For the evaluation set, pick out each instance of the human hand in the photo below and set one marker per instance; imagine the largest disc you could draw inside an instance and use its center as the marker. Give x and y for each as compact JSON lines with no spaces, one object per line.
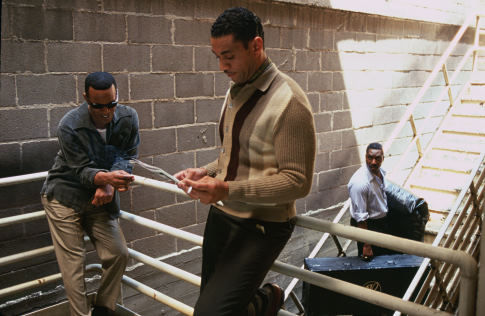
{"x":207,"y":190}
{"x":103,"y":195}
{"x":119,"y":179}
{"x":191,"y":173}
{"x":367,"y":251}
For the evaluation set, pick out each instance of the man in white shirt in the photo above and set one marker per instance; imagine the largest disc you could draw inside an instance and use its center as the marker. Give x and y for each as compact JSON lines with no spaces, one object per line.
{"x":368,"y":208}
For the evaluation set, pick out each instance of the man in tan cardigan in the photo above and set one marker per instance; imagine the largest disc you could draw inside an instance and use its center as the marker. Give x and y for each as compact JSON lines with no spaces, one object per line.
{"x":265,"y":164}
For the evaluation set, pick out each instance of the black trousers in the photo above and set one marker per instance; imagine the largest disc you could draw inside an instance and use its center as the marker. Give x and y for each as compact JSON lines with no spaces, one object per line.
{"x":236,"y":256}
{"x":380,"y":225}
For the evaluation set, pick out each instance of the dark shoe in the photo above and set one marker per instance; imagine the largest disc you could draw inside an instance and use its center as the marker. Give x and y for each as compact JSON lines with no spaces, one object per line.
{"x":101,"y":311}
{"x":275,"y":297}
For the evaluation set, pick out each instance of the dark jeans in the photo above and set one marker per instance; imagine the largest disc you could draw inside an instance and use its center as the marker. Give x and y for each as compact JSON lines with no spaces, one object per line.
{"x":380,"y":225}
{"x":236,"y":255}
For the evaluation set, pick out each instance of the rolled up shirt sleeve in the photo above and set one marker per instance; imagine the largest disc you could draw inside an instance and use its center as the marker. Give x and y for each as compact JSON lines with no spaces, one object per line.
{"x":358,"y":196}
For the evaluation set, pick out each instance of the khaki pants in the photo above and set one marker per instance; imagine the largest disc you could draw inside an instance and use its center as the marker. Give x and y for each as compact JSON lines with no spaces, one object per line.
{"x":67,"y":230}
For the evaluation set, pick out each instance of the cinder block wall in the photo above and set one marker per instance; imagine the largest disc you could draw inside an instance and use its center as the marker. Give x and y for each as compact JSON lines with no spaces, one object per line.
{"x":359,"y":71}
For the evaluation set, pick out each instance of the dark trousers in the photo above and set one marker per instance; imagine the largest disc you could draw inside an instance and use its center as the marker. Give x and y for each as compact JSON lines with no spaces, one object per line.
{"x":236,"y":255}
{"x":380,"y":225}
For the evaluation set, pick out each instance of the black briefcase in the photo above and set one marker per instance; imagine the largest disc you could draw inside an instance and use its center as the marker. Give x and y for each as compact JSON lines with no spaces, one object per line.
{"x":390,"y":274}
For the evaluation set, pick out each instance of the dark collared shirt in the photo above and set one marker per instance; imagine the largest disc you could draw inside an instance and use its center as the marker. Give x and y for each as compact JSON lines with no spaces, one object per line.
{"x":83,"y":153}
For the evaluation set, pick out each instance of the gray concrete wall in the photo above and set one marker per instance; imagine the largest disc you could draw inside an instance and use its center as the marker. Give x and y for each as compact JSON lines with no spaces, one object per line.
{"x":360,"y":71}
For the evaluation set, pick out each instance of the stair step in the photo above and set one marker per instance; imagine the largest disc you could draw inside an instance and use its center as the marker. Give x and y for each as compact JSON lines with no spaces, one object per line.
{"x":478,"y":77}
{"x":450,"y":160}
{"x":460,"y":143}
{"x":439,"y":180}
{"x":469,"y":110}
{"x":437,"y":200}
{"x":465,"y":125}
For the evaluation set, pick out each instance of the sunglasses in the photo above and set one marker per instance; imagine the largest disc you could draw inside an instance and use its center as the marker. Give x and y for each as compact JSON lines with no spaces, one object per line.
{"x":110,"y":105}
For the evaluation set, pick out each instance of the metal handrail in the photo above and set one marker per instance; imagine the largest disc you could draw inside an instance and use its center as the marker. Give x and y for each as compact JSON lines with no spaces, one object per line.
{"x":464,"y":261}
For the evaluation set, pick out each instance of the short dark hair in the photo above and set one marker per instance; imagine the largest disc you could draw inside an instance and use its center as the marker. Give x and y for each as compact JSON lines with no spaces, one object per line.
{"x":99,"y":80}
{"x":243,"y":24}
{"x":374,"y":146}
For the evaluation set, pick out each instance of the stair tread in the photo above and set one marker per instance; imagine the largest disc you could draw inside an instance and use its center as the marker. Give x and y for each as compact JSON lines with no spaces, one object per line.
{"x":439,"y":180}
{"x":459,"y":142}
{"x":438,"y":201}
{"x":469,"y":109}
{"x":450,"y":160}
{"x":470,"y":125}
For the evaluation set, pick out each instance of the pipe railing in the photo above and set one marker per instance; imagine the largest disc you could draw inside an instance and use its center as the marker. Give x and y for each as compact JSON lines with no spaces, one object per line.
{"x":466,"y":263}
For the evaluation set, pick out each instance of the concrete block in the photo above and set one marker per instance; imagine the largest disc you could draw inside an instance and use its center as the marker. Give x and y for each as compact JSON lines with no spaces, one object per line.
{"x":283,"y":59}
{"x":38,"y":89}
{"x":348,"y":139}
{"x":91,"y":5}
{"x":411,"y":29}
{"x":205,"y":156}
{"x":307,"y":61}
{"x":155,"y":142}
{"x":333,"y":20}
{"x":329,"y":141}
{"x":195,"y":137}
{"x":99,"y":27}
{"x":208,"y":110}
{"x":356,"y":22}
{"x":321,"y":40}
{"x":343,"y":158}
{"x":23,"y":124}
{"x":22,"y":57}
{"x":322,"y":162}
{"x":331,"y":101}
{"x":272,"y":37}
{"x":329,"y":179}
{"x":73,"y":57}
{"x":342,"y":120}
{"x":134,"y":231}
{"x":151,"y":86}
{"x":427,"y":30}
{"x":331,"y":61}
{"x":10,"y":160}
{"x":38,"y":156}
{"x":144,"y":110}
{"x":147,"y":29}
{"x":294,"y":38}
{"x":174,"y":7}
{"x":222,"y":84}
{"x":55,"y":116}
{"x":132,"y":58}
{"x":320,"y":81}
{"x":175,"y":162}
{"x":155,"y":246}
{"x":194,"y":85}
{"x":179,"y":216}
{"x":301,"y":78}
{"x":323,"y":122}
{"x":281,"y":15}
{"x":314,"y":99}
{"x":390,"y":26}
{"x":8,"y":92}
{"x":145,"y":198}
{"x":205,"y":60}
{"x":209,"y":9}
{"x":21,"y":195}
{"x":190,"y":32}
{"x":141,"y":6}
{"x":5,"y":23}
{"x":338,"y":81}
{"x":365,"y":43}
{"x":388,"y":114}
{"x":173,"y":113}
{"x":38,"y":23}
{"x":345,"y":42}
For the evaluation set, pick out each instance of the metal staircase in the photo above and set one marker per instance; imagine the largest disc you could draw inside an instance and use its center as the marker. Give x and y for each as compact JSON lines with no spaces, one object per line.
{"x":454,"y":152}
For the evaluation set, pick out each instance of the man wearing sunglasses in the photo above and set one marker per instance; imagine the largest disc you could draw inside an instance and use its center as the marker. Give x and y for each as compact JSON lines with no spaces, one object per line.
{"x":80,"y":194}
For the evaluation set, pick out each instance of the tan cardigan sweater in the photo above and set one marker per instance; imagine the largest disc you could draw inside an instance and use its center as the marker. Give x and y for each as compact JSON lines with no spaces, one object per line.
{"x":268,"y":148}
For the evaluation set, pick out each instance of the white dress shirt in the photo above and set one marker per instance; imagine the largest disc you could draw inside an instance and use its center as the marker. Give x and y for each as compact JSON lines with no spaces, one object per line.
{"x":367,"y":195}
